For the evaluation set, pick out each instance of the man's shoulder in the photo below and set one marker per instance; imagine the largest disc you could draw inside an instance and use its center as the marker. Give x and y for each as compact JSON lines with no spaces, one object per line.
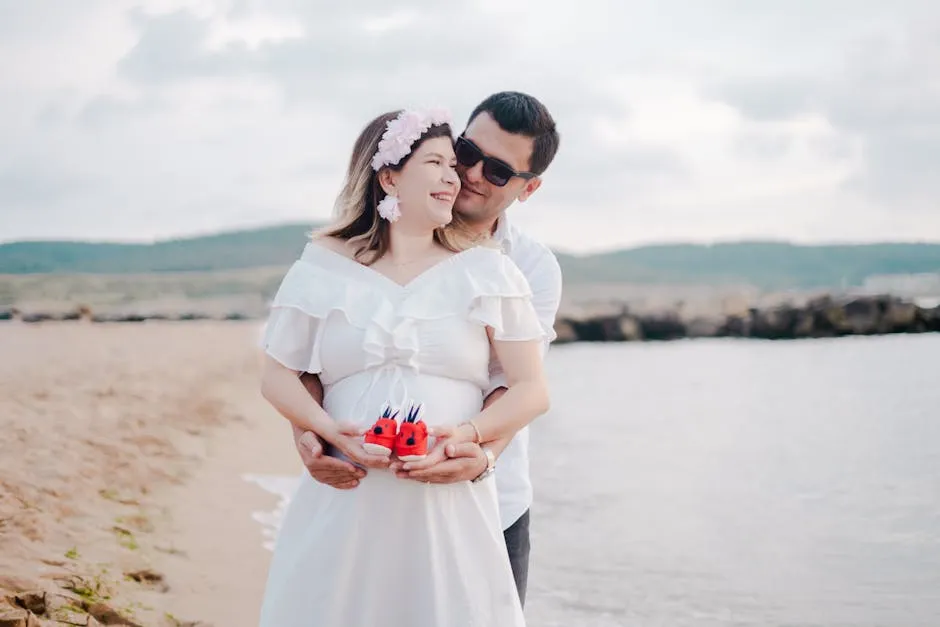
{"x":534,"y":257}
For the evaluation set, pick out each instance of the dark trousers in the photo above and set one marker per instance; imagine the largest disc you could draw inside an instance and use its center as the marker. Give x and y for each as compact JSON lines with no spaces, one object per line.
{"x":517,"y":543}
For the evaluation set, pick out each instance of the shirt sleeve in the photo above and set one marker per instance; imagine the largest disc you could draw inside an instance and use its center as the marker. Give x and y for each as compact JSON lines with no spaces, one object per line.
{"x":291,"y":337}
{"x":545,"y":281}
{"x":503,"y":302}
{"x":297,"y":316}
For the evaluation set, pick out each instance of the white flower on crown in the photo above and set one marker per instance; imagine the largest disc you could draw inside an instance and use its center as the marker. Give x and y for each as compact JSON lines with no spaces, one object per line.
{"x":402,"y":132}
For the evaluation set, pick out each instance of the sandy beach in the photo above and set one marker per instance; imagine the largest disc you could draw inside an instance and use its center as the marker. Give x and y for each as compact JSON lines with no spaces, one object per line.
{"x":121,"y":475}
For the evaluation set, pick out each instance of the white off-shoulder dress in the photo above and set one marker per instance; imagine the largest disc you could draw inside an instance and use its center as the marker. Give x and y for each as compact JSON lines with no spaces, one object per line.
{"x":395,"y":552}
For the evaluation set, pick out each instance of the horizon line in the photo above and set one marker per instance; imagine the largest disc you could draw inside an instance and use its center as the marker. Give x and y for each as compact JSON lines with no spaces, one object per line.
{"x":711,"y":242}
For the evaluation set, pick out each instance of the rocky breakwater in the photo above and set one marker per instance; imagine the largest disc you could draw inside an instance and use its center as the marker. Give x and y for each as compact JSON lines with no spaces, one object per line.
{"x":820,"y":317}
{"x":86,"y":314}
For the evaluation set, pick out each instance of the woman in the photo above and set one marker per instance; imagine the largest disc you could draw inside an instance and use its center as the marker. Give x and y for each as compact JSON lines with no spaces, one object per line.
{"x":395,"y":307}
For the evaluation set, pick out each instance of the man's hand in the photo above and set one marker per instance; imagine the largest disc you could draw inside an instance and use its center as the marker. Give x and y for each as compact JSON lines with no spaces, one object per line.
{"x":325,"y":469}
{"x":462,"y":462}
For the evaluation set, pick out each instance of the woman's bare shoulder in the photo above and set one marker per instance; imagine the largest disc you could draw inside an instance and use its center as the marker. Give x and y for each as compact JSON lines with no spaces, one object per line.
{"x":333,"y":243}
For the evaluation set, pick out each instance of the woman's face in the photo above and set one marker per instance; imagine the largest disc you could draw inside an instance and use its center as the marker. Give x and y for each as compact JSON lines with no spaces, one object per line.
{"x":428,"y":184}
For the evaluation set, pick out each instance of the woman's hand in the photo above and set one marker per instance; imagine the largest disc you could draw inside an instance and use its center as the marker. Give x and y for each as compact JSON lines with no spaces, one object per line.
{"x":443,"y":437}
{"x":348,"y":440}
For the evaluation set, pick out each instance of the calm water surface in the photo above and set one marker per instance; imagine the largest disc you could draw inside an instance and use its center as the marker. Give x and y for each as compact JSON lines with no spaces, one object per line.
{"x":740,"y":483}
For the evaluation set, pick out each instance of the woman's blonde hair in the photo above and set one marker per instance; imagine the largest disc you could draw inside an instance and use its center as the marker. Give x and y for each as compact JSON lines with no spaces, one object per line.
{"x":356,"y":217}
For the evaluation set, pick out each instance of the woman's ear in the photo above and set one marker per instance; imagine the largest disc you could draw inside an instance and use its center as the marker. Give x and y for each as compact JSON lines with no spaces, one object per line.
{"x":388,"y":179}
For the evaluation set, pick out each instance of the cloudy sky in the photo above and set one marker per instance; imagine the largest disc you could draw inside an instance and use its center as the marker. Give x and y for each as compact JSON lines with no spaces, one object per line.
{"x":697,"y":120}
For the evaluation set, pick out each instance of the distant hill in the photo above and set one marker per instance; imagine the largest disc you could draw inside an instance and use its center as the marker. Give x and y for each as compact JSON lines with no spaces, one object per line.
{"x":233,"y":250}
{"x":768,"y":265}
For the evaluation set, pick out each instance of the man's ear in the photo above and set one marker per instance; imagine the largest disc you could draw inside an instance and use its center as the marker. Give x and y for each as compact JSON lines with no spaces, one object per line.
{"x":529,"y":189}
{"x":388,"y":180}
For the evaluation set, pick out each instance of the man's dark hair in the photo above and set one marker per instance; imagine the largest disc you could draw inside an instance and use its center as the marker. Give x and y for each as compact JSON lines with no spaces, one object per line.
{"x":522,"y":114}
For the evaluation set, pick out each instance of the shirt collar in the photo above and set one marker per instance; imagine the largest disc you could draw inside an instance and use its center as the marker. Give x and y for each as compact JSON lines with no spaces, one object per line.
{"x":503,"y":233}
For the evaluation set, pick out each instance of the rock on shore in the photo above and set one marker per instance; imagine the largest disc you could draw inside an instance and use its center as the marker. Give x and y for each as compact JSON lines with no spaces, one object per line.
{"x":821,"y":317}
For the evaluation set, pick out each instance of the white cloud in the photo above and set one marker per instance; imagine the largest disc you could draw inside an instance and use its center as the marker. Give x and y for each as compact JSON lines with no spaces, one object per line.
{"x":680,"y":121}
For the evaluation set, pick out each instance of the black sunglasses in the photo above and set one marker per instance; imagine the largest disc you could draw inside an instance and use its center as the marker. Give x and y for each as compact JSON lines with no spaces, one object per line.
{"x":495,"y":171}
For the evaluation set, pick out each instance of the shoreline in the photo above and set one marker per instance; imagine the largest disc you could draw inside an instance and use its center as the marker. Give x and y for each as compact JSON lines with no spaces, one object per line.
{"x":122,"y":479}
{"x":811,"y":316}
{"x":215,"y":517}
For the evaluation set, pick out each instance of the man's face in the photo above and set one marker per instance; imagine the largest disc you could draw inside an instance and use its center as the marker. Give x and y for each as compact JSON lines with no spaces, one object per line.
{"x":480,"y":202}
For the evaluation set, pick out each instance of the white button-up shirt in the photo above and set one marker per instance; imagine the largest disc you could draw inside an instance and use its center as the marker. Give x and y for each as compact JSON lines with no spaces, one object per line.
{"x":541,"y":269}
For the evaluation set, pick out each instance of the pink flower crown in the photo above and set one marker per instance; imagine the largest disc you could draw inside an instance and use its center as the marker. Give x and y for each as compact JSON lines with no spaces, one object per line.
{"x":402,"y":132}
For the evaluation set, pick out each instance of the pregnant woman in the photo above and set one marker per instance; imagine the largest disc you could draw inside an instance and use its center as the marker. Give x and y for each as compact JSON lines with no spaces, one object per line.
{"x":395,"y":307}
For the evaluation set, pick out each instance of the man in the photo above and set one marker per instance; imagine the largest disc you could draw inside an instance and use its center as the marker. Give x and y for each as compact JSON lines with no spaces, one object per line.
{"x":510,"y":140}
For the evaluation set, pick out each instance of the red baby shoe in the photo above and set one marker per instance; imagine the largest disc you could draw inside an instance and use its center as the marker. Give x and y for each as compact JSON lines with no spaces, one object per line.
{"x":412,"y":442}
{"x":380,"y":439}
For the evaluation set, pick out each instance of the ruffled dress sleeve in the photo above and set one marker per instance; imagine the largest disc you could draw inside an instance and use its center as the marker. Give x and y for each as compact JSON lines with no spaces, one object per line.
{"x":503,"y":301}
{"x":295,"y":322}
